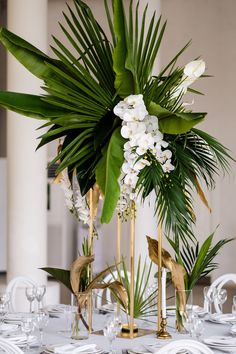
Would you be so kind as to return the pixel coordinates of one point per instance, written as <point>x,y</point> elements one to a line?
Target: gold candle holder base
<point>163,334</point>
<point>125,330</point>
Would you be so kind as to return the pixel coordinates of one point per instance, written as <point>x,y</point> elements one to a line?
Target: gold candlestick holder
<point>163,334</point>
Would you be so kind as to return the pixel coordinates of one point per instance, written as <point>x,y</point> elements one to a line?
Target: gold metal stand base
<point>163,334</point>
<point>141,332</point>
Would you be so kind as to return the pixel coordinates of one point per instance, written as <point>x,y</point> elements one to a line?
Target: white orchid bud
<point>195,69</point>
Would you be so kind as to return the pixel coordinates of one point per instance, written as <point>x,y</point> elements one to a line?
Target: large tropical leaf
<point>61,275</point>
<point>175,123</point>
<point>29,105</point>
<point>124,79</point>
<point>32,58</point>
<point>108,172</point>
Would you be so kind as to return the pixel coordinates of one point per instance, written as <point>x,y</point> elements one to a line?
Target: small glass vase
<point>80,316</point>
<point>183,303</point>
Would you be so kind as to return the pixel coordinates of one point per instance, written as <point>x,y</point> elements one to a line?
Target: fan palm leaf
<point>93,72</point>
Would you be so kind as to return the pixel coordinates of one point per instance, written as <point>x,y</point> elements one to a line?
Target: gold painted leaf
<point>178,272</point>
<point>95,199</point>
<point>202,195</point>
<point>76,270</point>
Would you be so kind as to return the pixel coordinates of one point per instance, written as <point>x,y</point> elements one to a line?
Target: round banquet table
<point>53,336</point>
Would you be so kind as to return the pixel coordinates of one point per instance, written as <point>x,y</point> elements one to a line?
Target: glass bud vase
<point>80,316</point>
<point>184,305</point>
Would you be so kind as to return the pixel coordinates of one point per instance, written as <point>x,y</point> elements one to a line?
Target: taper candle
<point>163,292</point>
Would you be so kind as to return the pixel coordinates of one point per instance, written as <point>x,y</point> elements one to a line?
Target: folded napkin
<point>21,339</point>
<point>224,317</point>
<point>221,340</point>
<point>233,329</point>
<point>7,327</point>
<point>70,348</point>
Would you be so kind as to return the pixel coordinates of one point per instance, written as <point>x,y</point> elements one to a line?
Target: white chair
<point>218,284</point>
<point>192,346</point>
<point>9,347</point>
<point>12,287</point>
<point>104,295</point>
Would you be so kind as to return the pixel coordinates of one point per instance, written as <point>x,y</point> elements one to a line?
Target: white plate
<point>13,318</point>
<point>107,308</point>
<point>221,341</point>
<point>222,318</point>
<point>21,340</point>
<point>8,328</point>
<point>96,350</point>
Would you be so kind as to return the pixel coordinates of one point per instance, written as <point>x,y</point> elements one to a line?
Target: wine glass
<point>30,293</point>
<point>234,306</point>
<point>3,313</point>
<point>4,305</point>
<point>221,297</point>
<point>42,318</point>
<point>210,294</point>
<point>188,321</point>
<point>27,327</point>
<point>110,331</point>
<point>40,292</point>
<point>197,328</point>
<point>117,323</point>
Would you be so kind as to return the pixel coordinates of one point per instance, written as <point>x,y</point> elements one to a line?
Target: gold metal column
<point>118,250</point>
<point>90,245</point>
<point>159,234</point>
<point>132,252</point>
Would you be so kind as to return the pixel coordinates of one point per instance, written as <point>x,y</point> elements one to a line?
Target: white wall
<point>212,27</point>
<point>3,213</point>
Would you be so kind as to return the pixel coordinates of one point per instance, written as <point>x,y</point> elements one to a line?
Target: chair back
<point>218,284</point>
<point>9,347</point>
<point>12,288</point>
<point>104,295</point>
<point>182,345</point>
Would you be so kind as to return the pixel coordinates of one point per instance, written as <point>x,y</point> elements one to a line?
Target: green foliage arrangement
<point>92,76</point>
<point>198,261</point>
<point>145,303</point>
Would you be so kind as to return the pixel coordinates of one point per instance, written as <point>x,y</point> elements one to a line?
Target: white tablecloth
<point>53,335</point>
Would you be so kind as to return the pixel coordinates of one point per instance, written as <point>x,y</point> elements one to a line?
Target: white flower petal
<point>195,68</point>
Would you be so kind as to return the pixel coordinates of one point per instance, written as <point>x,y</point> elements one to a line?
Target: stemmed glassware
<point>234,305</point>
<point>30,293</point>
<point>198,327</point>
<point>221,297</point>
<point>110,331</point>
<point>4,305</point>
<point>27,327</point>
<point>40,292</point>
<point>210,294</point>
<point>42,318</point>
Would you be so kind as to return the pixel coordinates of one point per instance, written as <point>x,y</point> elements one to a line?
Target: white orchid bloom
<point>192,71</point>
<point>129,155</point>
<point>131,109</point>
<point>151,123</point>
<point>134,100</point>
<point>127,168</point>
<point>140,164</point>
<point>146,141</point>
<point>131,179</point>
<point>167,167</point>
<point>127,146</point>
<point>166,154</point>
<point>130,129</point>
<point>158,137</point>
